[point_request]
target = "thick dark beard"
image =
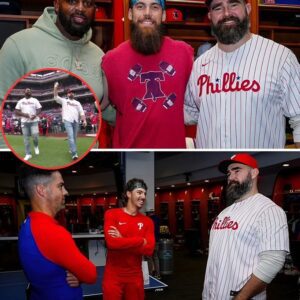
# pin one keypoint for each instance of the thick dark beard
(230, 34)
(146, 41)
(236, 190)
(70, 28)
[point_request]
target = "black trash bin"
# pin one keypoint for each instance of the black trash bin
(165, 254)
(192, 237)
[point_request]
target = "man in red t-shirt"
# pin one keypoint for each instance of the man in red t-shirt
(129, 235)
(146, 78)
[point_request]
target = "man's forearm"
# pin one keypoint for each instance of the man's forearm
(21, 114)
(105, 100)
(55, 90)
(253, 287)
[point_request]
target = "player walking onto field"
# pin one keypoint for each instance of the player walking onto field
(28, 108)
(72, 113)
(241, 90)
(248, 240)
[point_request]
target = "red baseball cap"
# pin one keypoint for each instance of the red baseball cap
(241, 158)
(173, 14)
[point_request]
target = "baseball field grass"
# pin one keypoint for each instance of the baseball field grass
(54, 151)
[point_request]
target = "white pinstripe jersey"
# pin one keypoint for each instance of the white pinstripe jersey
(238, 235)
(239, 99)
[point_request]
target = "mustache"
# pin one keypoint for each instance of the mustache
(230, 18)
(147, 18)
(79, 14)
(232, 182)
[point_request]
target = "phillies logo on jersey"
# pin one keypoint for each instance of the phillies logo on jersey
(28, 103)
(140, 225)
(226, 223)
(230, 82)
(151, 80)
(72, 104)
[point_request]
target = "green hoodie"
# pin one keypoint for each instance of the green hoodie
(42, 46)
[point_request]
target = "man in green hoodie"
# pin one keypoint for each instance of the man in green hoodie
(60, 38)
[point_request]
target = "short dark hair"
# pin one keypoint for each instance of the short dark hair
(133, 184)
(30, 176)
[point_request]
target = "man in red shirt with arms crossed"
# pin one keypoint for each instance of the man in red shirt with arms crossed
(129, 235)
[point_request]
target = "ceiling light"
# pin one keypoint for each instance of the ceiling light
(207, 180)
(286, 165)
(74, 171)
(158, 188)
(188, 183)
(173, 185)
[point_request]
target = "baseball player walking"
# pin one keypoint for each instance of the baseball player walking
(241, 90)
(72, 113)
(248, 240)
(28, 108)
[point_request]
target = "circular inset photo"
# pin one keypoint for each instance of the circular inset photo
(50, 118)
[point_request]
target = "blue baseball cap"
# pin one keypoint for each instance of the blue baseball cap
(162, 3)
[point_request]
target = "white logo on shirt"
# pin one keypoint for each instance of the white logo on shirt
(140, 225)
(122, 223)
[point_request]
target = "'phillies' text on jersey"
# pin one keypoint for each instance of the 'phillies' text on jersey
(229, 83)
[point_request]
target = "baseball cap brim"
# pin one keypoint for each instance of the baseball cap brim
(241, 158)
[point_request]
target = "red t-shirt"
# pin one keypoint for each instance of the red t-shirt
(148, 93)
(124, 255)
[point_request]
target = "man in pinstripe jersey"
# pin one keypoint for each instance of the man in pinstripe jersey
(248, 240)
(241, 90)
